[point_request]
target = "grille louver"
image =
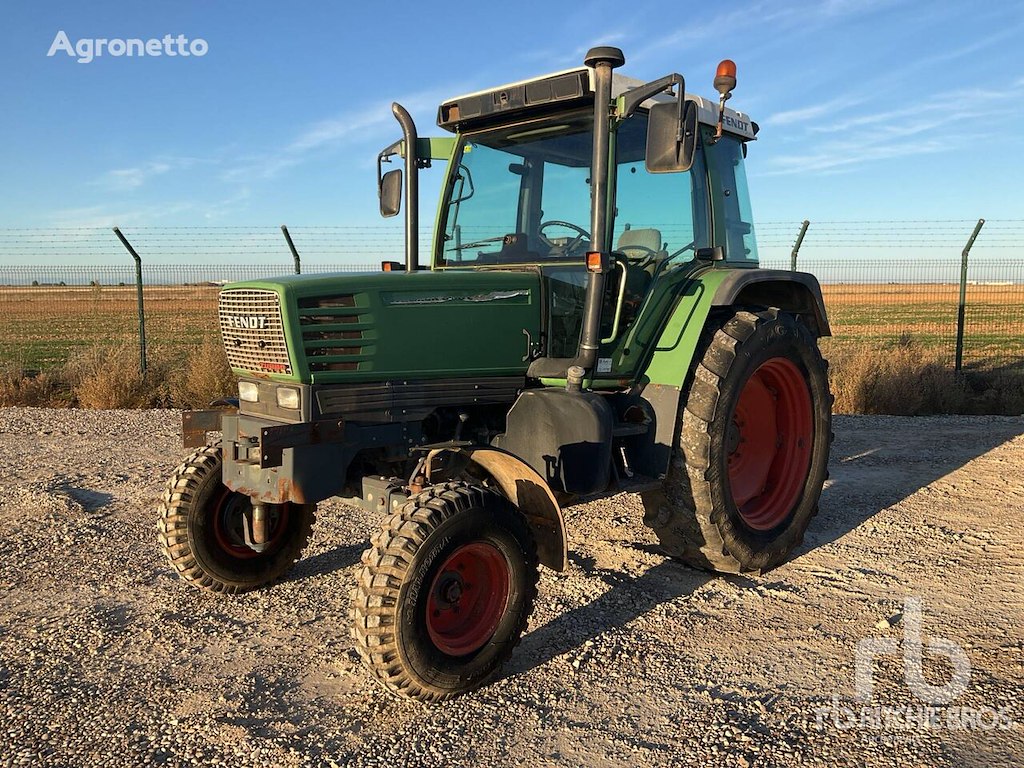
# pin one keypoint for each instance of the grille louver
(333, 333)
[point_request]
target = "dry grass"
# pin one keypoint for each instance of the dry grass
(16, 388)
(902, 378)
(202, 377)
(907, 379)
(111, 377)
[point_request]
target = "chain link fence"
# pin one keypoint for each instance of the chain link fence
(66, 290)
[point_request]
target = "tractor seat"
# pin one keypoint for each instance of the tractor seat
(642, 246)
(644, 252)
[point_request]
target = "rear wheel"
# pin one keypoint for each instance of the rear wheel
(202, 529)
(754, 438)
(445, 592)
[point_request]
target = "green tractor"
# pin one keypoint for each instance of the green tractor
(593, 321)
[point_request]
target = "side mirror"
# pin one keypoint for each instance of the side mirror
(671, 144)
(390, 192)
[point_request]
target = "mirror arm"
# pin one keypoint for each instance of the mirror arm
(632, 99)
(385, 157)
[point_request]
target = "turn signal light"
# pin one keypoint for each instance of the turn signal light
(595, 261)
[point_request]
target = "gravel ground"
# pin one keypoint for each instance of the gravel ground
(631, 659)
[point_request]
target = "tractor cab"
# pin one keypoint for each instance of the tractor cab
(518, 196)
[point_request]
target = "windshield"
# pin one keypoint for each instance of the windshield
(521, 194)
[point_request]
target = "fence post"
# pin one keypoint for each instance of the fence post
(291, 247)
(138, 295)
(963, 295)
(796, 246)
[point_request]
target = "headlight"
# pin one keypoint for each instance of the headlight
(248, 391)
(288, 397)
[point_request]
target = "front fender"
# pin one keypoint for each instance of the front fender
(526, 489)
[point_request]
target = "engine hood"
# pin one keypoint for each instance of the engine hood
(349, 327)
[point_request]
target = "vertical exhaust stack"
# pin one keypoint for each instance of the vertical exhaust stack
(412, 187)
(602, 60)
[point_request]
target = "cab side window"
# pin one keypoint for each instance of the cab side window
(659, 217)
(725, 162)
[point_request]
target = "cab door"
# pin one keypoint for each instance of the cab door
(659, 221)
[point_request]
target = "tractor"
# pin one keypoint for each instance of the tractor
(593, 321)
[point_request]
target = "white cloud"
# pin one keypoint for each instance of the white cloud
(370, 120)
(127, 179)
(228, 205)
(112, 215)
(940, 122)
(804, 114)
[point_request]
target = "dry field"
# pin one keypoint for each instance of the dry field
(44, 324)
(873, 314)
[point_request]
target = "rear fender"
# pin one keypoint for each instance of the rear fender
(673, 363)
(796, 292)
(523, 487)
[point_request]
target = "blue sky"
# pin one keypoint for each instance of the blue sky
(870, 109)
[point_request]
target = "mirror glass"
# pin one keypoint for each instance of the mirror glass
(390, 193)
(664, 153)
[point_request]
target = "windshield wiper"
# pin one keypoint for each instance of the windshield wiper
(477, 243)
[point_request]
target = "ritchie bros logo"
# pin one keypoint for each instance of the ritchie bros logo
(88, 48)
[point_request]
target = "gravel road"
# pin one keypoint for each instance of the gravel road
(631, 659)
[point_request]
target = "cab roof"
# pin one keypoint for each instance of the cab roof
(558, 90)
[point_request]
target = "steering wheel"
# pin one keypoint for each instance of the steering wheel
(583, 235)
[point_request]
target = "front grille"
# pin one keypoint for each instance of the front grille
(250, 324)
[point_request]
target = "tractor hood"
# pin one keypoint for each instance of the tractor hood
(382, 326)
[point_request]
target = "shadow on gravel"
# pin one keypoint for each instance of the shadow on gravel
(629, 598)
(878, 461)
(336, 559)
(89, 499)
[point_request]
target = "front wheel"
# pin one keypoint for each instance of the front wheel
(445, 591)
(201, 529)
(754, 439)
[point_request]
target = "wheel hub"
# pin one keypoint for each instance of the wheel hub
(467, 599)
(450, 590)
(769, 444)
(232, 526)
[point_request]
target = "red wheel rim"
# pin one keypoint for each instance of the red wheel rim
(229, 521)
(769, 443)
(467, 599)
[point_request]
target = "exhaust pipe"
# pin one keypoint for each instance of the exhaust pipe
(412, 187)
(602, 60)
